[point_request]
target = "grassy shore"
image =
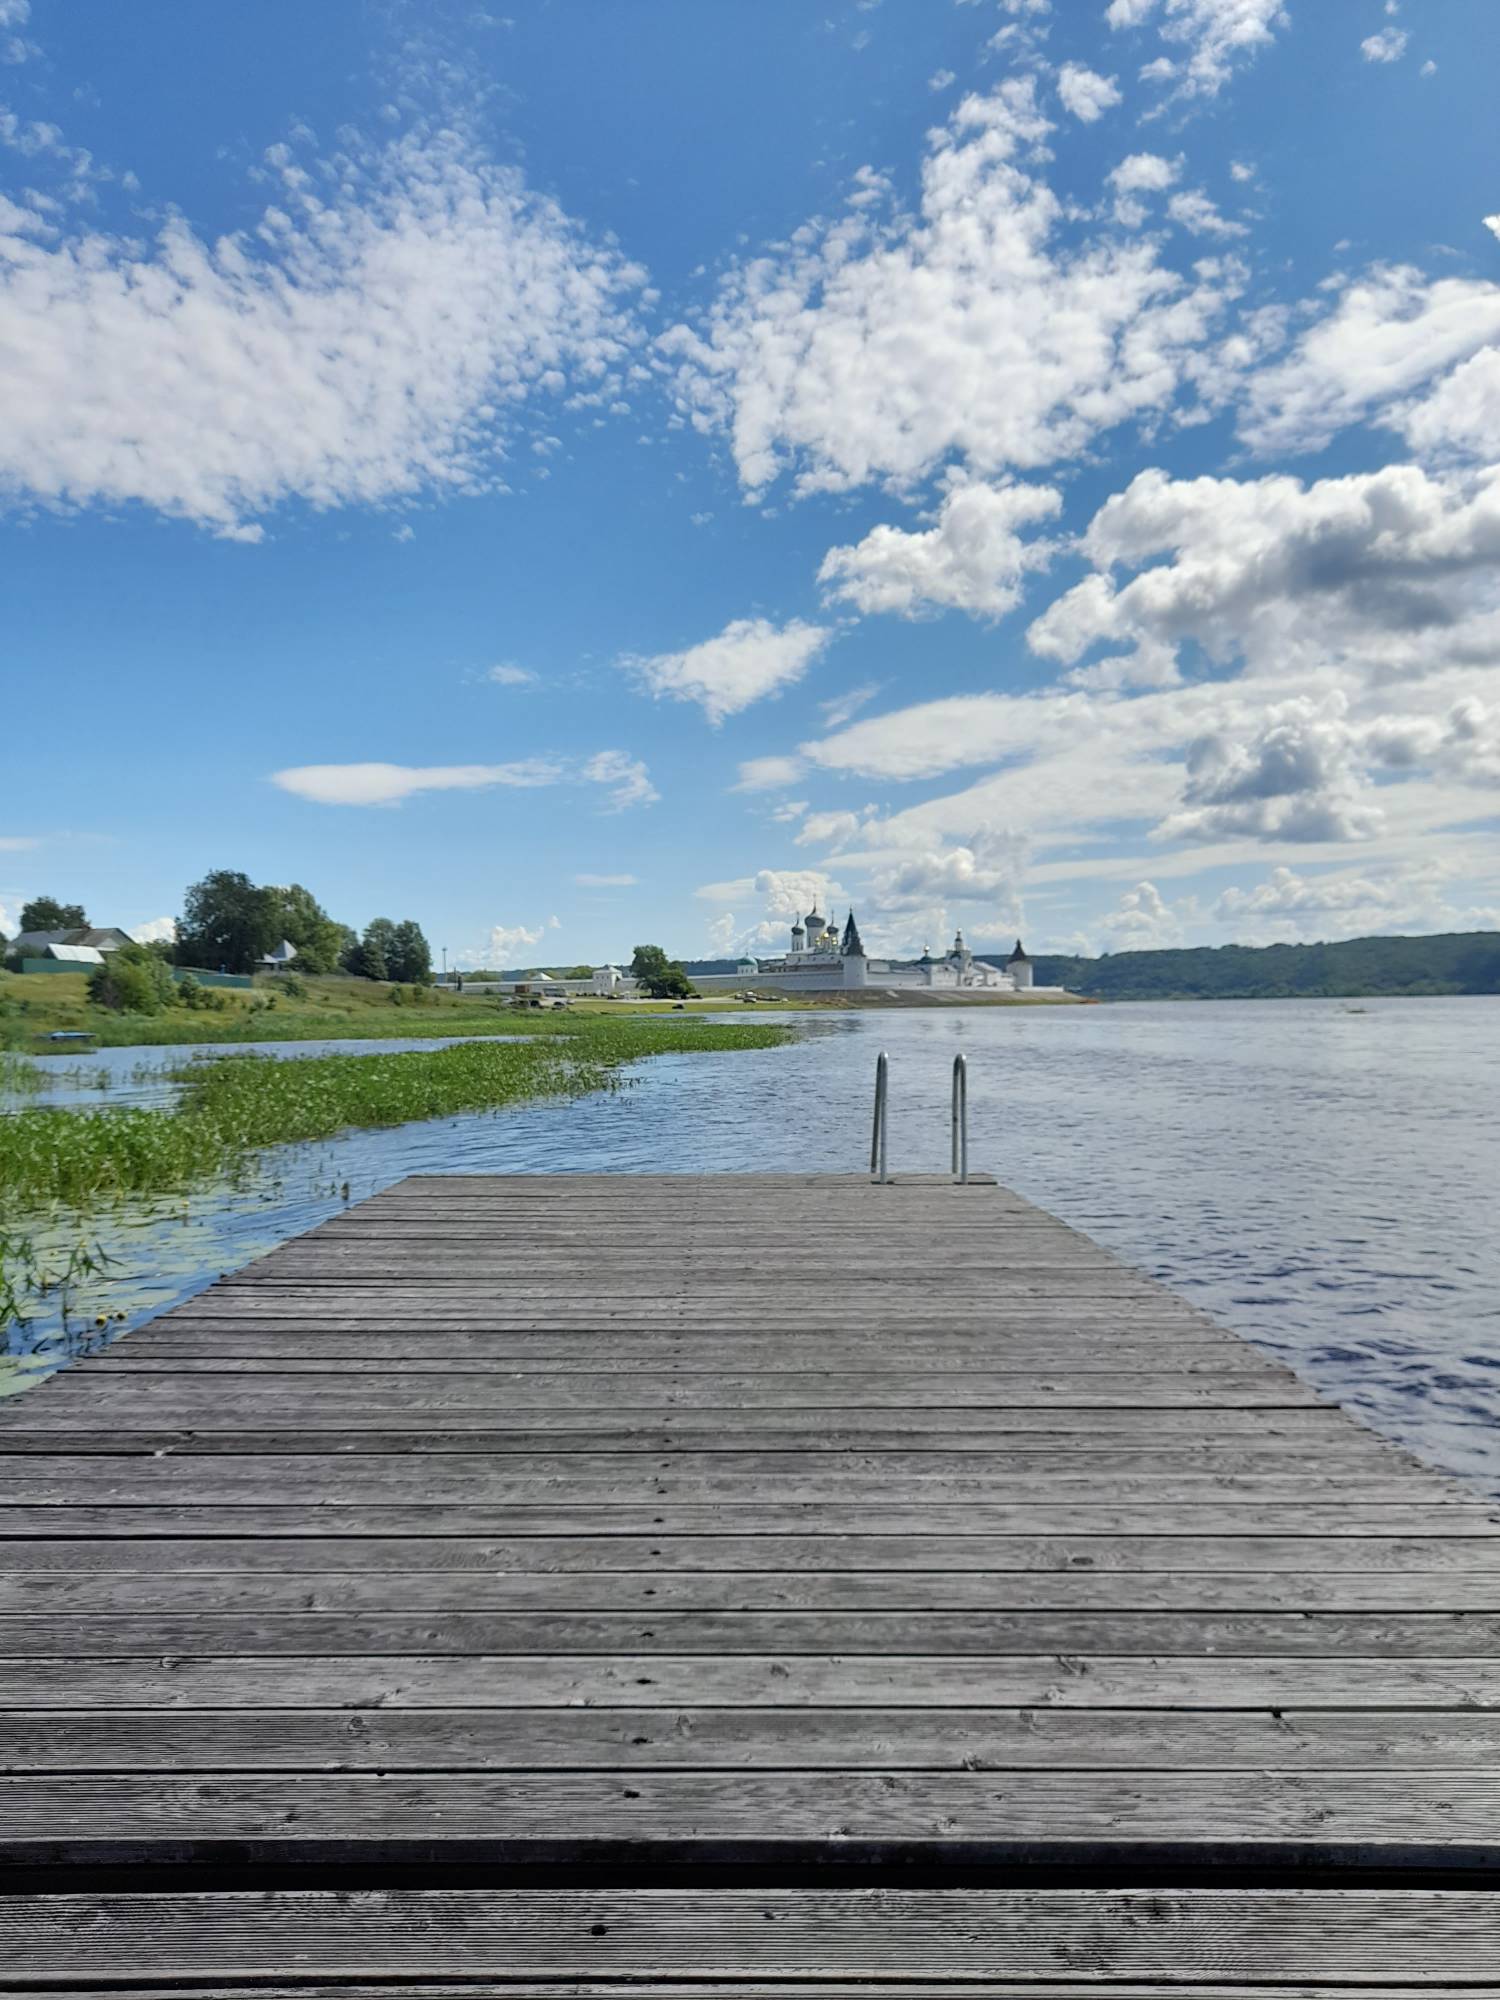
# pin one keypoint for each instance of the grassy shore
(232, 1107)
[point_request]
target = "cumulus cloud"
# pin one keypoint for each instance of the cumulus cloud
(508, 941)
(1386, 47)
(884, 344)
(985, 869)
(1085, 93)
(1297, 776)
(376, 335)
(155, 930)
(1213, 36)
(971, 559)
(505, 675)
(1142, 920)
(390, 784)
(1292, 907)
(1394, 568)
(1390, 333)
(780, 896)
(1192, 210)
(1140, 174)
(750, 658)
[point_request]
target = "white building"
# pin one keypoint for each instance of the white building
(822, 960)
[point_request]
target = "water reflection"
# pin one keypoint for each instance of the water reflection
(1317, 1175)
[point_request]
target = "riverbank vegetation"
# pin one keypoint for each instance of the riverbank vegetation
(232, 1107)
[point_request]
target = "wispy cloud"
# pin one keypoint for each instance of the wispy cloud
(749, 659)
(624, 777)
(605, 881)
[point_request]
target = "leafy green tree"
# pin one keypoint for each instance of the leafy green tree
(227, 923)
(377, 948)
(132, 980)
(662, 977)
(577, 972)
(302, 921)
(45, 913)
(410, 956)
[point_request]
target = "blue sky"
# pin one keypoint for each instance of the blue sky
(593, 472)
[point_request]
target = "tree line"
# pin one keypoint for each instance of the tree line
(231, 924)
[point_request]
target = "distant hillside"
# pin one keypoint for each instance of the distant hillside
(1460, 962)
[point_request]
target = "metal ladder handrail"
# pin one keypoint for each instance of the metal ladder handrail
(878, 1168)
(961, 1120)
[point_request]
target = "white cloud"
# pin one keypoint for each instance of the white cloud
(971, 560)
(1390, 332)
(375, 335)
(1138, 174)
(1429, 68)
(1290, 907)
(508, 942)
(769, 774)
(884, 345)
(605, 881)
(1298, 777)
(626, 777)
(155, 930)
(783, 894)
(1193, 210)
(750, 658)
(505, 675)
(1392, 570)
(1387, 47)
(389, 784)
(941, 79)
(1215, 34)
(1142, 920)
(17, 843)
(1085, 93)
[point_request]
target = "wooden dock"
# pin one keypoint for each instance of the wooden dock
(730, 1586)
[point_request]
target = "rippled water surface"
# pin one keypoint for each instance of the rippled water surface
(1319, 1175)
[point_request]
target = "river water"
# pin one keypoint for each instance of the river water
(1319, 1175)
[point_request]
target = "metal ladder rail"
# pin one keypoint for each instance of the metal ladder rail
(961, 1120)
(879, 1171)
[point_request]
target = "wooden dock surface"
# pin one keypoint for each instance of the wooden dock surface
(730, 1585)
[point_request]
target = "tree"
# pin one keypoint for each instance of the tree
(377, 948)
(45, 913)
(227, 923)
(132, 980)
(662, 977)
(301, 919)
(410, 956)
(576, 972)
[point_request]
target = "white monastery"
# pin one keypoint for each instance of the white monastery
(823, 960)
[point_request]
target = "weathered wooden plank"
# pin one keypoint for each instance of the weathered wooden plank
(1259, 1937)
(345, 1681)
(59, 1591)
(592, 1412)
(1346, 1453)
(891, 1739)
(938, 1521)
(465, 1477)
(91, 1818)
(1323, 1563)
(635, 1634)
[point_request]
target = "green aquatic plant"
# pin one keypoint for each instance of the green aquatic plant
(31, 1277)
(232, 1106)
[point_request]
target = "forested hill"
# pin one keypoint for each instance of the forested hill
(1460, 962)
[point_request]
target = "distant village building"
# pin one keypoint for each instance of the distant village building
(280, 958)
(97, 941)
(824, 960)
